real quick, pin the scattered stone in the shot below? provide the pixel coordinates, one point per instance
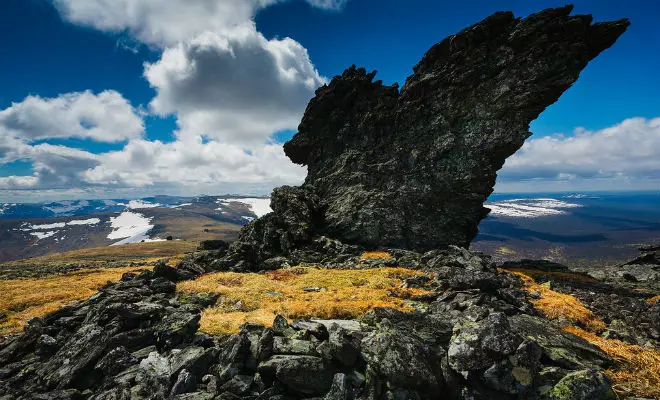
(301, 374)
(583, 385)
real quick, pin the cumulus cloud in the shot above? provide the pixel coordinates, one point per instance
(103, 117)
(328, 4)
(54, 166)
(229, 87)
(238, 87)
(161, 22)
(195, 164)
(220, 76)
(628, 150)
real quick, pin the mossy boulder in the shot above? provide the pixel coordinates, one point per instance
(589, 384)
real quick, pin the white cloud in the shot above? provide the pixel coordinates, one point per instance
(628, 150)
(161, 22)
(239, 87)
(104, 117)
(222, 79)
(328, 4)
(194, 164)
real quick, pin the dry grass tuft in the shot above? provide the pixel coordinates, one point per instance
(375, 255)
(25, 298)
(560, 306)
(133, 252)
(555, 274)
(653, 300)
(329, 294)
(639, 368)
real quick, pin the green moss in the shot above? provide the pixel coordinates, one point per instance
(522, 375)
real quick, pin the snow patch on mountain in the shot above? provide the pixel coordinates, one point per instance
(129, 226)
(90, 221)
(44, 226)
(530, 208)
(137, 204)
(259, 206)
(43, 235)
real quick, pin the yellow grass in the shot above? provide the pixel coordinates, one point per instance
(557, 305)
(639, 368)
(257, 298)
(375, 255)
(22, 299)
(506, 250)
(533, 273)
(139, 252)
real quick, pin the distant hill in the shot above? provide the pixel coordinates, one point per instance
(594, 228)
(29, 230)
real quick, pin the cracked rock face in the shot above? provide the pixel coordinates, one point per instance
(412, 168)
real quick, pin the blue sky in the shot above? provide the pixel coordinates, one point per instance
(97, 99)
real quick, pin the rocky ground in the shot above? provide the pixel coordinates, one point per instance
(478, 338)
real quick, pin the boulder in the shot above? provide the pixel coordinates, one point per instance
(479, 345)
(401, 359)
(587, 384)
(302, 374)
(564, 349)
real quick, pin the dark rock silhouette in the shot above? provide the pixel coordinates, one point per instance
(412, 168)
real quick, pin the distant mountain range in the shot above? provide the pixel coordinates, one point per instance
(28, 230)
(568, 227)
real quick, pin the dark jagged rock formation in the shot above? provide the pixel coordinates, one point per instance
(412, 168)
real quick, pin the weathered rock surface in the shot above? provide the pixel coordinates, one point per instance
(411, 168)
(620, 302)
(138, 339)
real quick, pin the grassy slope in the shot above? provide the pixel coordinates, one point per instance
(638, 368)
(300, 292)
(37, 286)
(126, 252)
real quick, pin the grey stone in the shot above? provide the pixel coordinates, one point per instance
(478, 345)
(302, 374)
(185, 383)
(240, 384)
(583, 385)
(283, 345)
(401, 359)
(565, 349)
